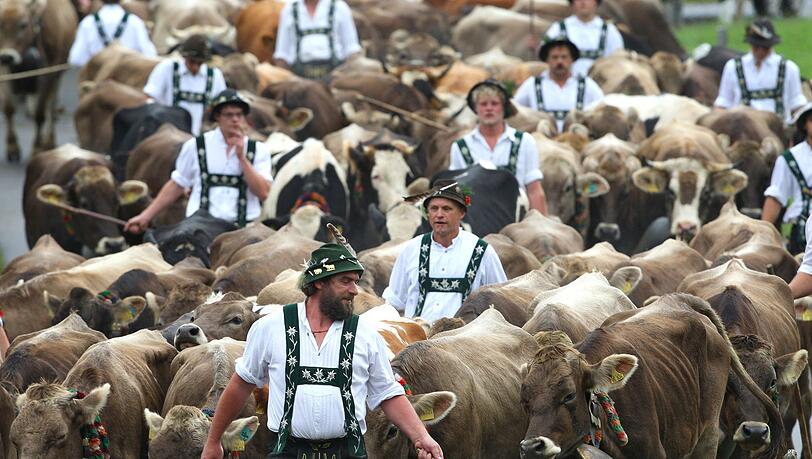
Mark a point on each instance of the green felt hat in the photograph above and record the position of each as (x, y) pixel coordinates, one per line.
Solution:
(328, 260)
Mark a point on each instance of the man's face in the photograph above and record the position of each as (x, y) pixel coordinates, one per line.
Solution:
(490, 110)
(445, 216)
(808, 127)
(760, 52)
(559, 61)
(193, 65)
(231, 120)
(584, 8)
(337, 293)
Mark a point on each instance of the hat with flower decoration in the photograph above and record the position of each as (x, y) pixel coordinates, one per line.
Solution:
(330, 259)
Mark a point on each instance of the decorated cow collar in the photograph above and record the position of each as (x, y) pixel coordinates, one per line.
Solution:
(95, 441)
(601, 400)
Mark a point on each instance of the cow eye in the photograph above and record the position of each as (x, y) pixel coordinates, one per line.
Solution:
(569, 398)
(236, 320)
(390, 434)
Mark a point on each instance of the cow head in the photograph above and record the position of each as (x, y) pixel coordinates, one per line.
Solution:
(615, 161)
(417, 51)
(556, 393)
(50, 417)
(93, 188)
(112, 316)
(606, 119)
(685, 179)
(19, 26)
(670, 71)
(182, 433)
(756, 161)
(567, 188)
(221, 316)
(383, 168)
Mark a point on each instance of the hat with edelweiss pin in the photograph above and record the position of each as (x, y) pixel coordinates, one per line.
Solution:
(330, 259)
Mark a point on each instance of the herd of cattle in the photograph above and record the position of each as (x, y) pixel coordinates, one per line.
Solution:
(696, 339)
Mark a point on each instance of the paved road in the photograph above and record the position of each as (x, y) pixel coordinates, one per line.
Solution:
(12, 228)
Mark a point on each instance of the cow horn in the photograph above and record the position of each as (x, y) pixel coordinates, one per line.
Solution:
(718, 167)
(654, 164)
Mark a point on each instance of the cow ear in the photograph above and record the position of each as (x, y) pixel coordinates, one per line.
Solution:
(299, 118)
(127, 310)
(650, 180)
(52, 193)
(154, 423)
(591, 185)
(51, 302)
(771, 147)
(612, 372)
(418, 185)
(547, 128)
(789, 367)
(433, 407)
(626, 279)
(92, 404)
(131, 191)
(239, 432)
(729, 182)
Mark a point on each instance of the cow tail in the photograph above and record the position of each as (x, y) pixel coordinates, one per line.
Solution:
(776, 422)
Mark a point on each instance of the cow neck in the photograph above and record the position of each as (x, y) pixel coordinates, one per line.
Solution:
(95, 441)
(245, 435)
(599, 399)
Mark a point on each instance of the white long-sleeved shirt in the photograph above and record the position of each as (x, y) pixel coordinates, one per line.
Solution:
(556, 97)
(159, 87)
(762, 78)
(527, 164)
(586, 36)
(88, 42)
(447, 262)
(317, 411)
(316, 46)
(783, 185)
(222, 200)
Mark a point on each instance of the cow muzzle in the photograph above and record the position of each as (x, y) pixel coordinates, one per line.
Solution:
(189, 335)
(607, 232)
(752, 436)
(10, 57)
(539, 448)
(108, 245)
(686, 230)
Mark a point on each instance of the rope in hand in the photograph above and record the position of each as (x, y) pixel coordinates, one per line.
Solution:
(33, 73)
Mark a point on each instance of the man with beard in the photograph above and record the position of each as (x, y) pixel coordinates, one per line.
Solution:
(323, 366)
(495, 141)
(595, 37)
(436, 271)
(557, 90)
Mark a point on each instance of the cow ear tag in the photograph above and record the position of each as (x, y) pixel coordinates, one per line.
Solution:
(616, 376)
(152, 434)
(627, 287)
(427, 414)
(728, 189)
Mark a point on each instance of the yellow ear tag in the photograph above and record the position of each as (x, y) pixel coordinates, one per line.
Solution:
(152, 434)
(427, 415)
(239, 445)
(728, 189)
(616, 376)
(627, 287)
(652, 188)
(806, 316)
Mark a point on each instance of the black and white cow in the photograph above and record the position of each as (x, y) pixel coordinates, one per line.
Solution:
(189, 238)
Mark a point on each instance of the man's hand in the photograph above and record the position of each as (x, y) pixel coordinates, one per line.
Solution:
(427, 448)
(137, 224)
(212, 451)
(237, 142)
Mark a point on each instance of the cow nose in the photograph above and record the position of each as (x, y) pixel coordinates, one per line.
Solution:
(108, 245)
(189, 335)
(755, 431)
(686, 229)
(607, 232)
(538, 448)
(6, 59)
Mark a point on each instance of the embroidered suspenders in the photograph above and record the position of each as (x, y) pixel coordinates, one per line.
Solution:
(590, 53)
(776, 93)
(188, 96)
(446, 285)
(208, 180)
(340, 377)
(512, 160)
(316, 69)
(118, 32)
(797, 240)
(560, 115)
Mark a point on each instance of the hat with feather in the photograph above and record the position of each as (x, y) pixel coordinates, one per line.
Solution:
(330, 259)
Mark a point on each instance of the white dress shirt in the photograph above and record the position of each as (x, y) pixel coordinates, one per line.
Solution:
(317, 411)
(449, 262)
(222, 200)
(586, 36)
(527, 165)
(556, 97)
(783, 186)
(806, 264)
(159, 87)
(317, 46)
(762, 78)
(88, 42)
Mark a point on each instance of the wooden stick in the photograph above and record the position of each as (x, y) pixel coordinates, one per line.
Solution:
(88, 213)
(33, 73)
(407, 114)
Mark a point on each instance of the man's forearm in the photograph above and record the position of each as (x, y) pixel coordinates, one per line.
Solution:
(535, 194)
(401, 413)
(801, 285)
(231, 403)
(169, 193)
(771, 209)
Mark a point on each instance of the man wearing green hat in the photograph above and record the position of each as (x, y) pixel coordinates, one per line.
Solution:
(227, 173)
(436, 271)
(495, 141)
(323, 367)
(189, 82)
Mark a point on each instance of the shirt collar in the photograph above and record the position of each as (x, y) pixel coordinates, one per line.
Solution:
(594, 22)
(301, 311)
(111, 7)
(454, 242)
(183, 70)
(546, 75)
(771, 60)
(509, 133)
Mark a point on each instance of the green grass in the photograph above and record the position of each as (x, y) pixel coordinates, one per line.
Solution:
(795, 35)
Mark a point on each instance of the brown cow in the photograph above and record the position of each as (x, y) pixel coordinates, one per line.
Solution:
(397, 332)
(316, 96)
(387, 16)
(516, 259)
(378, 263)
(601, 257)
(487, 27)
(120, 377)
(118, 63)
(175, 22)
(544, 236)
(81, 179)
(226, 245)
(605, 119)
(44, 257)
(625, 72)
(221, 316)
(746, 123)
(94, 115)
(756, 160)
(199, 377)
(256, 27)
(48, 26)
(7, 414)
(759, 315)
(466, 386)
(686, 358)
(657, 271)
(454, 7)
(47, 355)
